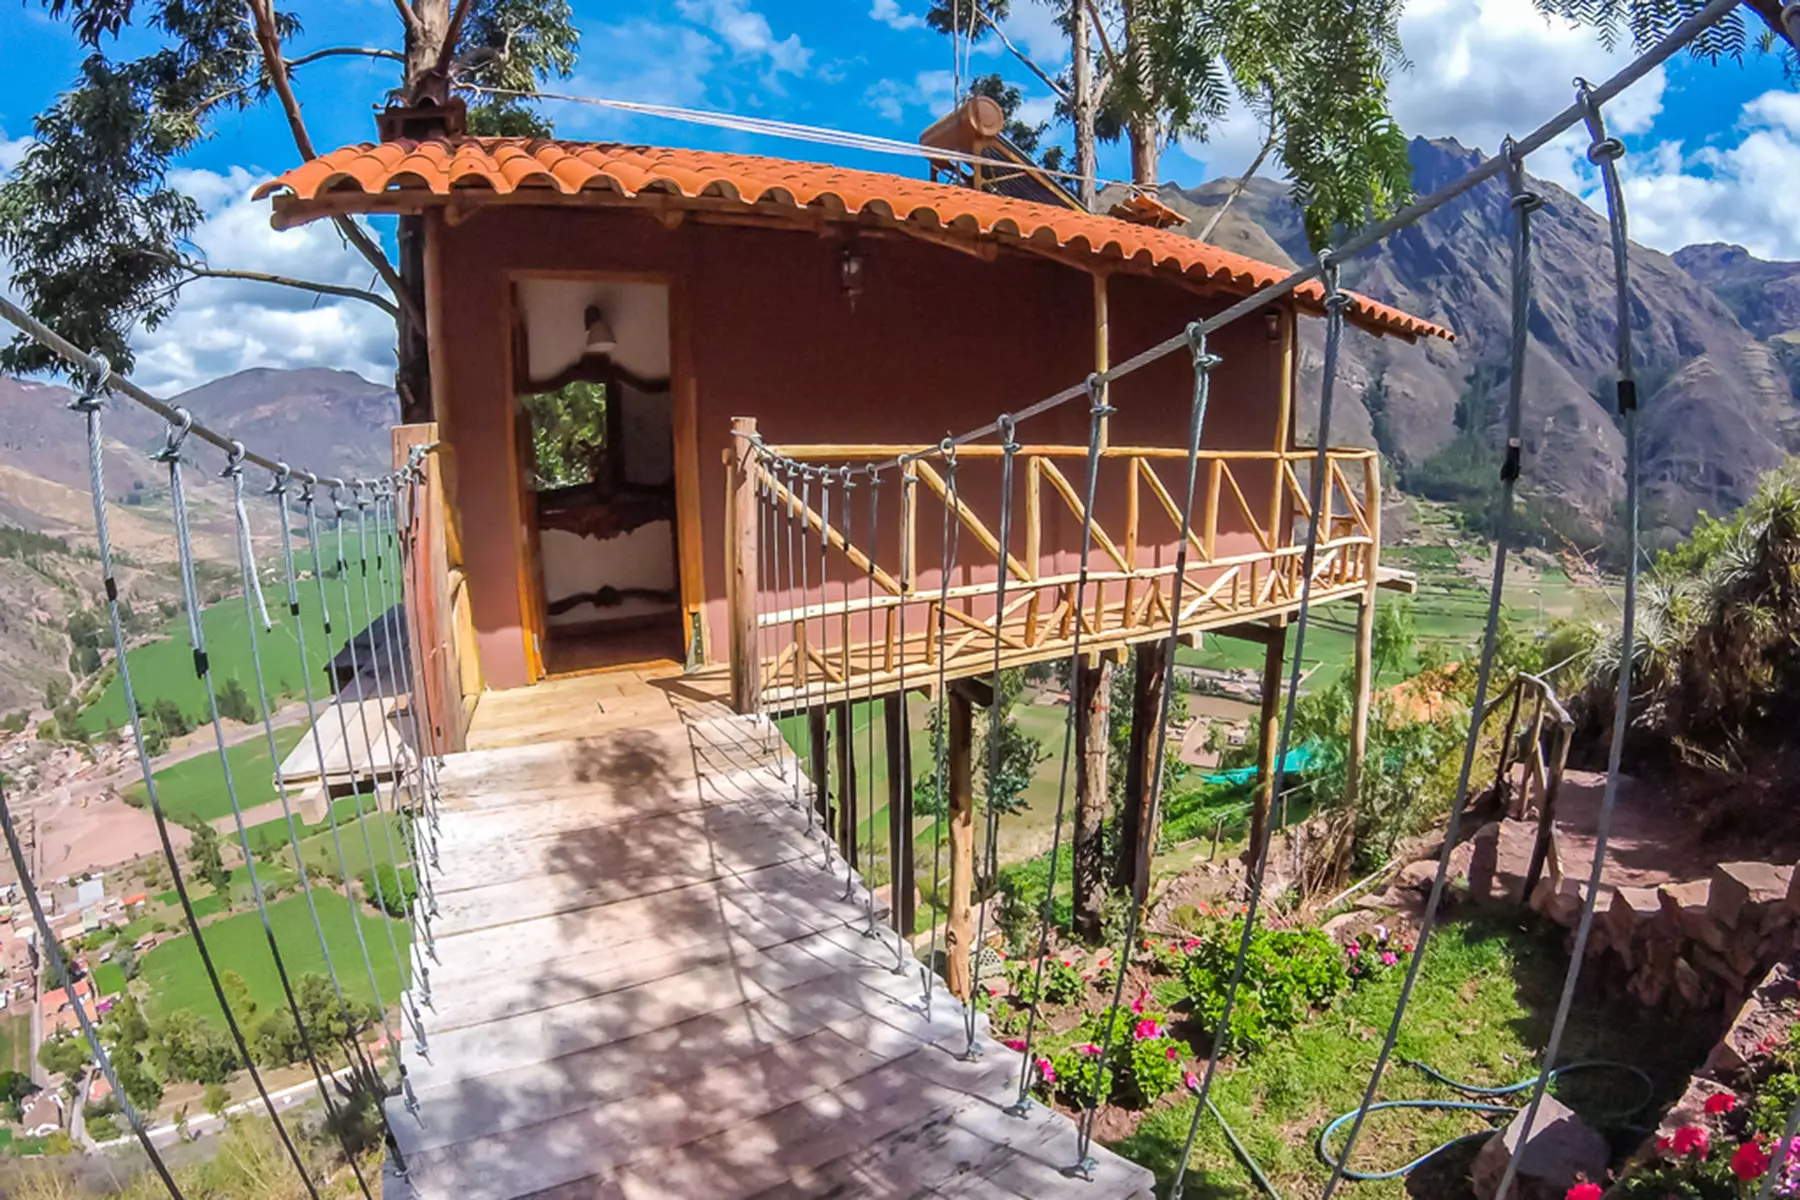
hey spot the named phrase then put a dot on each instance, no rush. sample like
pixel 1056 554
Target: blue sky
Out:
pixel 1715 150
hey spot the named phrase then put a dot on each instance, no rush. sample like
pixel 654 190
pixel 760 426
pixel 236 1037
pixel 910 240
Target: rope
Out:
pixel 1334 327
pixel 1524 203
pixel 171 454
pixel 1009 447
pixel 1203 363
pixel 952 540
pixel 1098 411
pixel 234 471
pixel 1604 153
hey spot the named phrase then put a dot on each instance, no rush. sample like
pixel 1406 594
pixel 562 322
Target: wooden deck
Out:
pixel 651 983
pixel 349 733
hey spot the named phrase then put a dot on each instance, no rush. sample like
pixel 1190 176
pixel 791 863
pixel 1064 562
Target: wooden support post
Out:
pixel 1102 343
pixel 741 570
pixel 1546 828
pixel 817 745
pixel 846 780
pixel 1362 681
pixel 1137 820
pixel 1090 693
pixel 959 740
pixel 1274 654
pixel 902 885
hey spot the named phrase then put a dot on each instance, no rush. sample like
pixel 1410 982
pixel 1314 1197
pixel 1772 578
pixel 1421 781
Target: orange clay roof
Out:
pixel 509 166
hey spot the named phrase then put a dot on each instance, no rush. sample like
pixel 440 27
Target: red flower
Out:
pixel 1720 1102
pixel 1584 1191
pixel 1147 1028
pixel 1172 1055
pixel 1750 1161
pixel 1690 1139
pixel 1015 1043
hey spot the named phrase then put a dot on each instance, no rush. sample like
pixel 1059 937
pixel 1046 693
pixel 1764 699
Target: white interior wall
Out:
pixel 555 316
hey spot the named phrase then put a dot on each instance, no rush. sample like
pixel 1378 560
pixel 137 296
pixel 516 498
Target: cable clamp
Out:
pixel 357 487
pixel 177 433
pixel 1509 470
pixel 844 478
pixel 278 486
pixel 234 460
pixel 1096 390
pixel 1606 150
pixel 1528 201
pixel 94 386
pixel 1006 426
pixel 1628 396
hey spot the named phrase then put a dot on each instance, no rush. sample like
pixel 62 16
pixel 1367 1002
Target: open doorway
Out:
pixel 598 455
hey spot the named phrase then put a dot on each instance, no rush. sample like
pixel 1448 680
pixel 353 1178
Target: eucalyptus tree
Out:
pixel 99 230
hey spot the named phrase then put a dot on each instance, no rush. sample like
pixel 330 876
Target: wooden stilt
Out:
pixel 1362 681
pixel 1137 829
pixel 817 745
pixel 1091 695
pixel 959 740
pixel 846 780
pixel 1274 653
pixel 741 579
pixel 900 815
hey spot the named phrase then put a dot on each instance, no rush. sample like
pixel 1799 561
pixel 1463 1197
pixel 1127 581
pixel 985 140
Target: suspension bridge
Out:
pixel 643 959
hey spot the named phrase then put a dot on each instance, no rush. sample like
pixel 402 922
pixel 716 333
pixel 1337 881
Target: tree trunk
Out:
pixel 900 813
pixel 1082 105
pixel 959 933
pixel 412 370
pixel 1268 734
pixel 1137 832
pixel 1090 693
pixel 1143 126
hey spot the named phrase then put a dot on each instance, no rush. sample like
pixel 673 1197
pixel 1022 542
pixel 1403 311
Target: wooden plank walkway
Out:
pixel 651 982
pixel 350 734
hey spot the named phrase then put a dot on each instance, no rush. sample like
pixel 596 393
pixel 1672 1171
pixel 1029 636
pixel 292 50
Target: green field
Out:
pixel 195 788
pixel 270 834
pixel 321 851
pixel 175 979
pixel 165 668
pixel 109 979
pixel 15 1041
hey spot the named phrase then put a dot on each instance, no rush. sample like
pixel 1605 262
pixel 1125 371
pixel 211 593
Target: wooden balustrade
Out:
pixel 891 630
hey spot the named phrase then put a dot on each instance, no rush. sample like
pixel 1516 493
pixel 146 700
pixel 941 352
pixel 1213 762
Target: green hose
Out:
pixel 1469 1089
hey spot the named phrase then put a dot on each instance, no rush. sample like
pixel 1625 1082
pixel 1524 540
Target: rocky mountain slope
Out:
pixel 333 420
pixel 1718 396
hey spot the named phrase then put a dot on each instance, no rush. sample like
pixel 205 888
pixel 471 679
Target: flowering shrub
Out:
pixel 1370 957
pixel 1062 981
pixel 1287 973
pixel 1142 1062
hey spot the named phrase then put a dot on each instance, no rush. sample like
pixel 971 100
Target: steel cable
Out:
pixel 952 537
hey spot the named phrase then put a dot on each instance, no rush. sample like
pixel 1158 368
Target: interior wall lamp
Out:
pixel 600 337
pixel 851 264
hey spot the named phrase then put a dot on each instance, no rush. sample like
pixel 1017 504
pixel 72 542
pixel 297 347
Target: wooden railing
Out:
pixel 898 625
pixel 1540 747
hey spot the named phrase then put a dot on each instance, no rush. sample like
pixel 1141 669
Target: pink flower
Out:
pixel 1015 1043
pixel 1147 1028
pixel 1137 1006
pixel 1690 1139
pixel 1720 1102
pixel 1353 949
pixel 1388 959
pixel 1750 1162
pixel 1046 1072
pixel 1172 1055
pixel 1088 1048
pixel 1584 1191
pixel 1192 1081
pixel 1191 944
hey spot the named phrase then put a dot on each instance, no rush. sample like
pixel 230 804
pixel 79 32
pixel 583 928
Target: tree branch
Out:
pixel 1053 85
pixel 1106 46
pixel 452 35
pixel 269 39
pixel 344 52
pixel 408 17
pixel 1243 181
pixel 306 285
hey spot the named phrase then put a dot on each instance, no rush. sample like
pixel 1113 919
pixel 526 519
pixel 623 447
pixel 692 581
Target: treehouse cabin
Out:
pixel 631 347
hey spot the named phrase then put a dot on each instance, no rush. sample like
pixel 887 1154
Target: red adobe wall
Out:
pixel 938 341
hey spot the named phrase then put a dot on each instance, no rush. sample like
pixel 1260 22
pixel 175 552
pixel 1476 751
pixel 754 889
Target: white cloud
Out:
pixel 1741 193
pixel 889 14
pixel 225 325
pixel 893 99
pixel 642 60
pixel 12 152
pixel 749 35
pixel 1034 29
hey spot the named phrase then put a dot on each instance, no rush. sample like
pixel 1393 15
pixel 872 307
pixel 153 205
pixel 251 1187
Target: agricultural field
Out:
pixel 174 978
pixel 194 789
pixel 15 1041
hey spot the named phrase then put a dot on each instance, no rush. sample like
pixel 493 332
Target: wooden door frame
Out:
pixel 690 552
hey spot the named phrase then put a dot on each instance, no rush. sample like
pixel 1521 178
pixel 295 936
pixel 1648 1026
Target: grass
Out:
pixel 109 979
pixel 194 789
pixel 175 979
pixel 1481 1013
pixel 320 849
pixel 164 668
pixel 270 834
pixel 15 1042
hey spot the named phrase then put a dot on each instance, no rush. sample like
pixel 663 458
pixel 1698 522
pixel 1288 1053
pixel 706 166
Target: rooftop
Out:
pixel 410 175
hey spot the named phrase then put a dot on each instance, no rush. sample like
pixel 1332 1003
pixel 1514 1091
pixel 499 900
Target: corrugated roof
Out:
pixel 510 166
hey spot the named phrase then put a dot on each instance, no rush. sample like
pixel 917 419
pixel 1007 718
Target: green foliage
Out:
pixel 26 544
pixel 1394 636
pixel 568 433
pixel 64 1054
pixel 1018 752
pixel 390 891
pixel 235 703
pixel 204 853
pixel 186 1047
pixel 1062 980
pixel 216 1098
pixel 15 722
pixel 1136 1065
pixel 1288 972
pixel 15 1088
pixel 512 44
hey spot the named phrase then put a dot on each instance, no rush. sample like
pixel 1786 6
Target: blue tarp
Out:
pixel 1298 759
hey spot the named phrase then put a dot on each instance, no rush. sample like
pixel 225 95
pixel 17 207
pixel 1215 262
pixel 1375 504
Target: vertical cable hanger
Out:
pixel 1009 448
pixel 170 454
pixel 1098 411
pixel 788 519
pixel 815 800
pixel 847 751
pixel 901 748
pixel 1604 153
pixel 869 861
pixel 1524 202
pixel 952 536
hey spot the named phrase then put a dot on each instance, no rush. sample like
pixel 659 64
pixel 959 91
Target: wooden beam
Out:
pixel 818 755
pixel 741 572
pixel 1102 342
pixel 1365 637
pixel 902 886
pixel 960 931
pixel 1137 823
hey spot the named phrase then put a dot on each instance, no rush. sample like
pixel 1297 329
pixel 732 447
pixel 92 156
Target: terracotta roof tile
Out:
pixel 509 165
